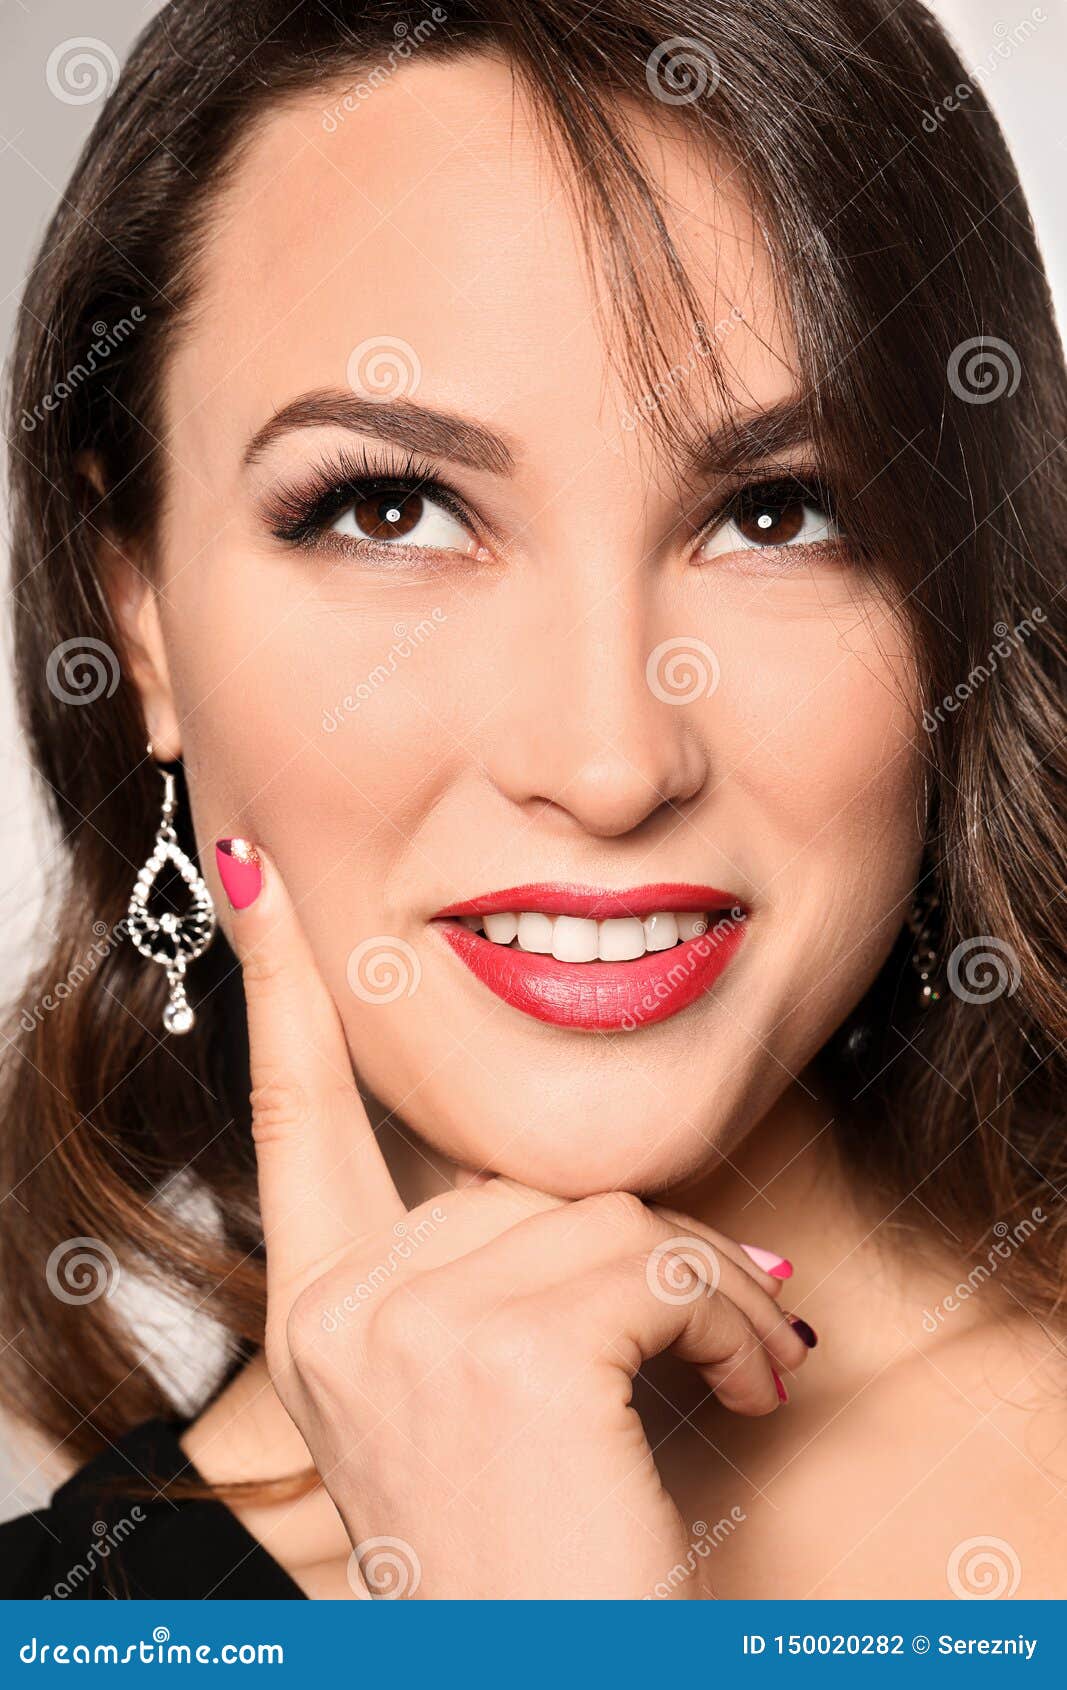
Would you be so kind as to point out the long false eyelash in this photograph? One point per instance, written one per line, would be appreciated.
(795, 486)
(301, 511)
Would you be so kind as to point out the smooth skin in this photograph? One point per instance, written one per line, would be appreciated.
(520, 742)
(477, 1406)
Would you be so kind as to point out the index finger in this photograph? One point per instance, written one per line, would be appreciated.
(323, 1181)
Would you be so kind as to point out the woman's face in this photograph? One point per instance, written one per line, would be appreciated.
(565, 671)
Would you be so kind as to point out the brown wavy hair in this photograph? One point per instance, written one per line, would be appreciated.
(905, 257)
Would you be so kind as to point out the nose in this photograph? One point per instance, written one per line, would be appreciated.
(599, 722)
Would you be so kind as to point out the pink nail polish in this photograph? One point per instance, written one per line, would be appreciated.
(783, 1394)
(240, 871)
(776, 1266)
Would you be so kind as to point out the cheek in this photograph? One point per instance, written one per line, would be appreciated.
(818, 731)
(823, 734)
(305, 713)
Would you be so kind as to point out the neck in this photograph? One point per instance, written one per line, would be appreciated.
(783, 1187)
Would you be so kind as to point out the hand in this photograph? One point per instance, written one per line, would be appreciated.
(462, 1372)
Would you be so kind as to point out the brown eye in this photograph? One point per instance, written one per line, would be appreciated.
(772, 514)
(387, 515)
(771, 522)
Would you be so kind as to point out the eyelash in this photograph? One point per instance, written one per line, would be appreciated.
(300, 516)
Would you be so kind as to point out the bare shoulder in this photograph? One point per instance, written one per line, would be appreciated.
(957, 1459)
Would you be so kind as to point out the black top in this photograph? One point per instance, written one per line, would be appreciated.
(108, 1533)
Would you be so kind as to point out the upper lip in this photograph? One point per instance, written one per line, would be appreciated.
(596, 902)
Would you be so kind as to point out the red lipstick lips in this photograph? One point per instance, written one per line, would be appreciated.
(600, 996)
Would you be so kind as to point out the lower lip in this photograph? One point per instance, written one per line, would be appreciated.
(600, 996)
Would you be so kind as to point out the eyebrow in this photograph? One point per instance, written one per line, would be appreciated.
(752, 437)
(728, 448)
(441, 434)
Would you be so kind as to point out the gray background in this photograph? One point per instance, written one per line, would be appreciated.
(40, 137)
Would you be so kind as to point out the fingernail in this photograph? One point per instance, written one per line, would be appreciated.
(803, 1330)
(783, 1394)
(240, 871)
(776, 1266)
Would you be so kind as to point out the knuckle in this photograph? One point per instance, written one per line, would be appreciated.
(280, 1106)
(305, 1326)
(404, 1326)
(262, 968)
(621, 1212)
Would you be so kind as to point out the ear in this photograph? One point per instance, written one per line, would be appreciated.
(134, 603)
(135, 606)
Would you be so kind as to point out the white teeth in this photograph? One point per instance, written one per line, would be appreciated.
(501, 928)
(661, 931)
(691, 924)
(622, 939)
(573, 938)
(535, 932)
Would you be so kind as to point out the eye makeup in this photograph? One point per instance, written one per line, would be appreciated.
(384, 496)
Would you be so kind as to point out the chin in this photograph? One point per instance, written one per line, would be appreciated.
(576, 1134)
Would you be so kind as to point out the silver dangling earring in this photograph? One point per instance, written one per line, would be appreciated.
(173, 940)
(924, 927)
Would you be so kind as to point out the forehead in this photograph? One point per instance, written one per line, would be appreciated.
(425, 232)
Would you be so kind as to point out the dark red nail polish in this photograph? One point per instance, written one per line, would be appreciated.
(803, 1330)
